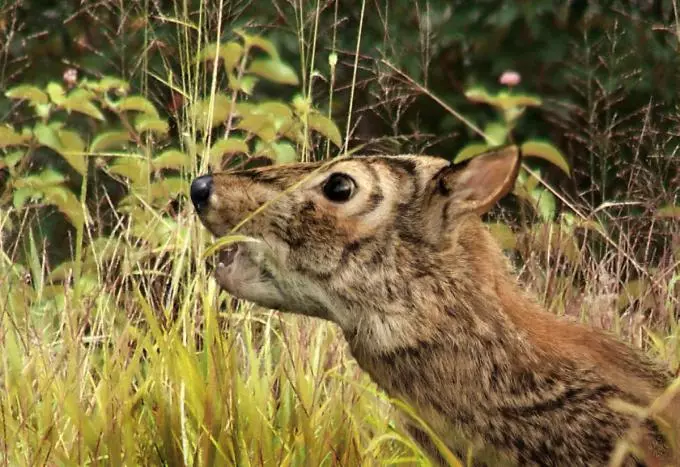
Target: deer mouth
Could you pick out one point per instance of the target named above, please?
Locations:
(228, 255)
(243, 273)
(234, 270)
(232, 263)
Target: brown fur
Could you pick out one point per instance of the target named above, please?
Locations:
(430, 307)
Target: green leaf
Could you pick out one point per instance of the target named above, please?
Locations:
(263, 149)
(27, 92)
(264, 44)
(278, 114)
(531, 182)
(110, 140)
(503, 100)
(285, 153)
(171, 159)
(544, 202)
(107, 84)
(46, 178)
(479, 94)
(496, 133)
(230, 53)
(66, 202)
(34, 186)
(246, 84)
(326, 127)
(136, 169)
(73, 150)
(668, 211)
(273, 70)
(12, 159)
(275, 109)
(503, 234)
(470, 151)
(21, 196)
(81, 104)
(259, 42)
(231, 145)
(149, 123)
(221, 111)
(208, 52)
(71, 141)
(260, 125)
(9, 137)
(81, 93)
(110, 82)
(301, 104)
(48, 136)
(56, 125)
(241, 109)
(546, 151)
(56, 92)
(137, 104)
(508, 100)
(168, 188)
(294, 131)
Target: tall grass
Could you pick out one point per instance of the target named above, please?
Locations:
(150, 364)
(99, 379)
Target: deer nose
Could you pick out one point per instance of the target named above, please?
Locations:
(200, 191)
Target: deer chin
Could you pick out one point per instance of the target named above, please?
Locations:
(241, 271)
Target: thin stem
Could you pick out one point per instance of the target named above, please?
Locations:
(354, 75)
(446, 107)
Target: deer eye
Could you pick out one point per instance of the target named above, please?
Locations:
(339, 187)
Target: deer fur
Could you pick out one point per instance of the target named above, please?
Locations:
(430, 307)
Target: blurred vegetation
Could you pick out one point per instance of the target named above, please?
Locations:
(109, 109)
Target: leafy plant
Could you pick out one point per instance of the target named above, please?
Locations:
(279, 131)
(119, 348)
(127, 130)
(153, 389)
(509, 107)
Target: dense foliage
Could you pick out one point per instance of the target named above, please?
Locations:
(109, 109)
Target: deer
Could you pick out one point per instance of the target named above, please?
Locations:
(393, 250)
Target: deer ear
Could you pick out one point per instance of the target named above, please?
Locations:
(481, 182)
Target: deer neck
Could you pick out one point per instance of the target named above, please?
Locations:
(459, 337)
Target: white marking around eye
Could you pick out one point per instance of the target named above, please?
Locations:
(382, 214)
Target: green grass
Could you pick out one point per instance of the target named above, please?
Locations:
(130, 355)
(98, 379)
(95, 374)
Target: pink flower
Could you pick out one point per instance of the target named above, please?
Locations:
(510, 78)
(70, 77)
